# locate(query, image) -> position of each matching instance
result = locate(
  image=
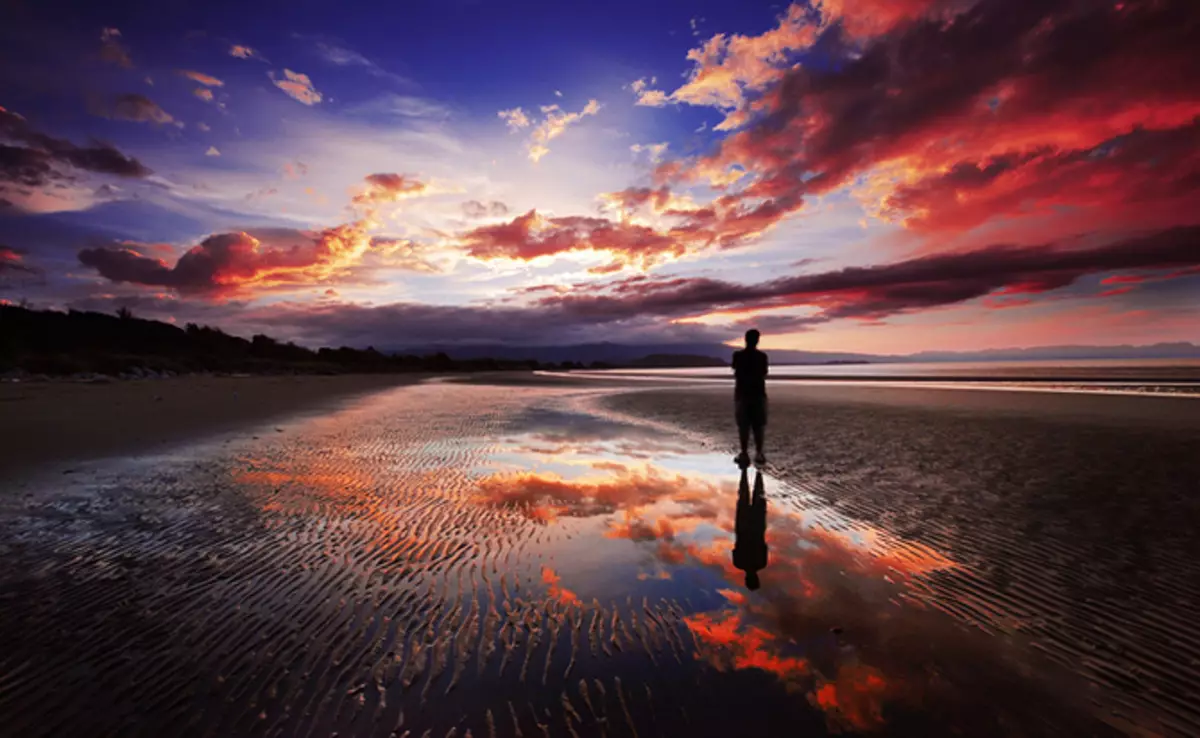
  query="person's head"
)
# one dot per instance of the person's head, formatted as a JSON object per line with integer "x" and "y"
{"x": 751, "y": 580}
{"x": 752, "y": 337}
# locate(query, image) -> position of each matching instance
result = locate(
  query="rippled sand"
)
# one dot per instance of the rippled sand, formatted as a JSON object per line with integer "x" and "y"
{"x": 449, "y": 559}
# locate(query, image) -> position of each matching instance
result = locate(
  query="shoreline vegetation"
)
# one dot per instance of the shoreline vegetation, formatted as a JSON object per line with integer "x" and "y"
{"x": 91, "y": 346}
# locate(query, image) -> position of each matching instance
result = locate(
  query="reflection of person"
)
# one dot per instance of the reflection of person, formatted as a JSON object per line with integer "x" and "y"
{"x": 750, "y": 397}
{"x": 750, "y": 530}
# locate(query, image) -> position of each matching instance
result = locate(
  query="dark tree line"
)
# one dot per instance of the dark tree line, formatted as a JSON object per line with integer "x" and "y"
{"x": 56, "y": 343}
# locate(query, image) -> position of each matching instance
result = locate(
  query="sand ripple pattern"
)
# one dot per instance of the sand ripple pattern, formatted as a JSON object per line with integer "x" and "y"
{"x": 1075, "y": 518}
{"x": 340, "y": 576}
{"x": 330, "y": 577}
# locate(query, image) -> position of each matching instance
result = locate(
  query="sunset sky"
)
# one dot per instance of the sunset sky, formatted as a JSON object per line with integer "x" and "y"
{"x": 853, "y": 175}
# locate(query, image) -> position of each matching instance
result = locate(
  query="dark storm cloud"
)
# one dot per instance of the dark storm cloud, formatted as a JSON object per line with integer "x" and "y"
{"x": 879, "y": 291}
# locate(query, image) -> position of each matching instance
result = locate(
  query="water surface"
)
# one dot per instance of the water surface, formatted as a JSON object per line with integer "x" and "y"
{"x": 448, "y": 559}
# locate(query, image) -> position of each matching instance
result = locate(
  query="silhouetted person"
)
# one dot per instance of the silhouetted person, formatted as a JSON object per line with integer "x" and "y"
{"x": 750, "y": 530}
{"x": 750, "y": 397}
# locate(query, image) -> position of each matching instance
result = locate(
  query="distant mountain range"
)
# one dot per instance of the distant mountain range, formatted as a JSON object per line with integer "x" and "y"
{"x": 630, "y": 354}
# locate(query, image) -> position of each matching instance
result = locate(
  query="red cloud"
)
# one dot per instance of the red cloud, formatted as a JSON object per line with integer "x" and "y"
{"x": 729, "y": 221}
{"x": 532, "y": 235}
{"x": 1123, "y": 279}
{"x": 854, "y": 699}
{"x": 12, "y": 260}
{"x": 1150, "y": 175}
{"x": 1009, "y": 101}
{"x": 862, "y": 19}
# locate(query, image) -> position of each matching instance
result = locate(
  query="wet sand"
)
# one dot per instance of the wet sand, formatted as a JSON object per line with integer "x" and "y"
{"x": 1074, "y": 516}
{"x": 42, "y": 423}
{"x": 452, "y": 559}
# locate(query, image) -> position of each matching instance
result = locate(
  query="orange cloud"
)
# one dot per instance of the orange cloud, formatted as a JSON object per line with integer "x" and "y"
{"x": 554, "y": 123}
{"x": 244, "y": 52}
{"x": 383, "y": 188}
{"x": 514, "y": 118}
{"x": 555, "y": 590}
{"x": 646, "y": 95}
{"x": 228, "y": 263}
{"x": 585, "y": 497}
{"x": 205, "y": 79}
{"x": 728, "y": 68}
{"x": 729, "y": 71}
{"x": 203, "y": 93}
{"x": 636, "y": 529}
{"x": 726, "y": 643}
{"x": 297, "y": 86}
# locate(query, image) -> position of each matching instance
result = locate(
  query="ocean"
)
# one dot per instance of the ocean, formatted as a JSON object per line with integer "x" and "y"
{"x": 1106, "y": 371}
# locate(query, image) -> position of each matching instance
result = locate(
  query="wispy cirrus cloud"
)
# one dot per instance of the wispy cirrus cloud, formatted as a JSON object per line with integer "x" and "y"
{"x": 343, "y": 56}
{"x": 401, "y": 106}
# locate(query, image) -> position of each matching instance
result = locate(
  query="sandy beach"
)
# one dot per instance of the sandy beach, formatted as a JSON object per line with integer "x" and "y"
{"x": 59, "y": 421}
{"x": 521, "y": 556}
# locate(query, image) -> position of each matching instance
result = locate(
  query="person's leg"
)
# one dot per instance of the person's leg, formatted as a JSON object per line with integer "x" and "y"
{"x": 743, "y": 424}
{"x": 760, "y": 427}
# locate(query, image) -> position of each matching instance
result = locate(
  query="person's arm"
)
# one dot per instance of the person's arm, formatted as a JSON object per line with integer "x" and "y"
{"x": 733, "y": 362}
{"x": 766, "y": 368}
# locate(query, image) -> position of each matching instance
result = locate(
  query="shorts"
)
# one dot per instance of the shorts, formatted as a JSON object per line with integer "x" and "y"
{"x": 751, "y": 413}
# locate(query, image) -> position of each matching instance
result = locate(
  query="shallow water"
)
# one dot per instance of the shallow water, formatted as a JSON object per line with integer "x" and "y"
{"x": 450, "y": 559}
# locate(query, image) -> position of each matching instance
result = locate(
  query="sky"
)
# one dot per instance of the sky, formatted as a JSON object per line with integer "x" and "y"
{"x": 884, "y": 176}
